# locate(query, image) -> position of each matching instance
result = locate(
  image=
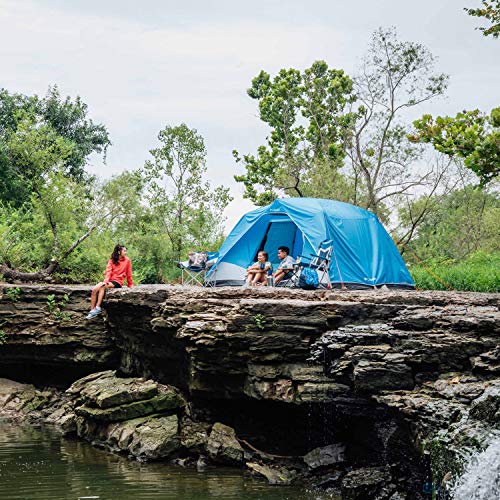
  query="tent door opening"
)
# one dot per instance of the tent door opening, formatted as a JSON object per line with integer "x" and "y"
{"x": 281, "y": 233}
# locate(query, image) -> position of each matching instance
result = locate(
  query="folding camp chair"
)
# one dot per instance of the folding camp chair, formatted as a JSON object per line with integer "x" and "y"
{"x": 194, "y": 269}
{"x": 319, "y": 262}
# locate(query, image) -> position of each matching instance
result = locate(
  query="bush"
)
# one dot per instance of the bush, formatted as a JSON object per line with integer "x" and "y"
{"x": 478, "y": 273}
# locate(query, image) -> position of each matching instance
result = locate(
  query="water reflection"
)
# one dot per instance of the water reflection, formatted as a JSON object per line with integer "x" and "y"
{"x": 36, "y": 463}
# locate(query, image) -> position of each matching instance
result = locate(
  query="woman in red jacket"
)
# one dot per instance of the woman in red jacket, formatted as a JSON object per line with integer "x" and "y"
{"x": 119, "y": 267}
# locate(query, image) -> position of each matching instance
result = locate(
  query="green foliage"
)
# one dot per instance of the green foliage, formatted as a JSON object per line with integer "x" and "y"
{"x": 307, "y": 114}
{"x": 37, "y": 134}
{"x": 260, "y": 321}
{"x": 470, "y": 135}
{"x": 51, "y": 303}
{"x": 13, "y": 294}
{"x": 460, "y": 223}
{"x": 479, "y": 273}
{"x": 182, "y": 205}
{"x": 3, "y": 337}
{"x": 56, "y": 307}
{"x": 491, "y": 12}
{"x": 65, "y": 213}
{"x": 35, "y": 233}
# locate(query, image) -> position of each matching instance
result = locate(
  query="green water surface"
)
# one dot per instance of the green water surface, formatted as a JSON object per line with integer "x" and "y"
{"x": 37, "y": 463}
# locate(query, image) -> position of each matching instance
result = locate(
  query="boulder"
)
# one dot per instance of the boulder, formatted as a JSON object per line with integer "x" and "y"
{"x": 275, "y": 475}
{"x": 223, "y": 446}
{"x": 146, "y": 438}
{"x": 367, "y": 482}
{"x": 113, "y": 391}
{"x": 166, "y": 399}
{"x": 155, "y": 438}
{"x": 325, "y": 456}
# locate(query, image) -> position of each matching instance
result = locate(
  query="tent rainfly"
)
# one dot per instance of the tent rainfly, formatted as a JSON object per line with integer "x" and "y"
{"x": 364, "y": 255}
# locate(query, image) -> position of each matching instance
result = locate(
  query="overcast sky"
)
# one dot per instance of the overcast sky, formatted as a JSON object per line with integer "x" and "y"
{"x": 141, "y": 65}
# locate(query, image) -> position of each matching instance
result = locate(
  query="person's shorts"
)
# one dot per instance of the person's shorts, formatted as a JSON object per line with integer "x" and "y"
{"x": 288, "y": 274}
{"x": 116, "y": 284}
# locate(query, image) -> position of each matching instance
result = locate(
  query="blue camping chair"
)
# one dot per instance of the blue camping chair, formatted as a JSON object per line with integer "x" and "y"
{"x": 193, "y": 270}
{"x": 320, "y": 262}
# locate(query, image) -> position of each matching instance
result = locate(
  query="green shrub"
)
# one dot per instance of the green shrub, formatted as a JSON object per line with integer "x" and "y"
{"x": 13, "y": 294}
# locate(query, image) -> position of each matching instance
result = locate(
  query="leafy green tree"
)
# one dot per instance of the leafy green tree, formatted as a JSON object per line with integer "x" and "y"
{"x": 460, "y": 223}
{"x": 188, "y": 208}
{"x": 396, "y": 77}
{"x": 470, "y": 135}
{"x": 490, "y": 11}
{"x": 64, "y": 118}
{"x": 46, "y": 235}
{"x": 307, "y": 115}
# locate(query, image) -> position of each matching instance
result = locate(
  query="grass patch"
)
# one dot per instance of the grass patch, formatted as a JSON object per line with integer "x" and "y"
{"x": 478, "y": 273}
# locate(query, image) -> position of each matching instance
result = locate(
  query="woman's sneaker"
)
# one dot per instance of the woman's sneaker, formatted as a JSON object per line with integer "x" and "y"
{"x": 95, "y": 312}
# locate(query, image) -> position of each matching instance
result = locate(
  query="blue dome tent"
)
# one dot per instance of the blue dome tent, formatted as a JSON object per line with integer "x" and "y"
{"x": 364, "y": 255}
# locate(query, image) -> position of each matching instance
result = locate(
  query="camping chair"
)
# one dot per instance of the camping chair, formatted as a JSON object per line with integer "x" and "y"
{"x": 319, "y": 262}
{"x": 194, "y": 269}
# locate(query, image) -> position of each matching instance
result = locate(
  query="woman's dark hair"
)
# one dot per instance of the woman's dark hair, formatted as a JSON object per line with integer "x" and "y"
{"x": 115, "y": 256}
{"x": 264, "y": 253}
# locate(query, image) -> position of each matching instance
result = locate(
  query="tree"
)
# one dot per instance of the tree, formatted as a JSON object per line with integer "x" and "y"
{"x": 64, "y": 117}
{"x": 395, "y": 77}
{"x": 460, "y": 223}
{"x": 307, "y": 115}
{"x": 189, "y": 209}
{"x": 491, "y": 12}
{"x": 41, "y": 235}
{"x": 470, "y": 135}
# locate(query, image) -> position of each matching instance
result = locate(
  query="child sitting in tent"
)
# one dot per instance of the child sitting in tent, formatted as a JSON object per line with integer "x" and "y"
{"x": 257, "y": 272}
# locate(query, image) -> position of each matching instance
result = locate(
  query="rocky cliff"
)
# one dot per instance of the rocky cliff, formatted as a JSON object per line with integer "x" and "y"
{"x": 358, "y": 382}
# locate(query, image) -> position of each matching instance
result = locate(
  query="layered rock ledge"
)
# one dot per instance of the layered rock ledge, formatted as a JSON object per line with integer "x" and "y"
{"x": 356, "y": 381}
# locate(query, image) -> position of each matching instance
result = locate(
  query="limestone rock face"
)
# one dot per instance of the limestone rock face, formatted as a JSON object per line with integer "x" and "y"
{"x": 387, "y": 373}
{"x": 53, "y": 348}
{"x": 487, "y": 406}
{"x": 223, "y": 446}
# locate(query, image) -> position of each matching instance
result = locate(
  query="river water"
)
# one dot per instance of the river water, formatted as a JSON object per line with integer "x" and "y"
{"x": 37, "y": 463}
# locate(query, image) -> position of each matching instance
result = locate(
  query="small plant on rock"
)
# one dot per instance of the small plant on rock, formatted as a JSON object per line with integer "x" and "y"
{"x": 260, "y": 321}
{"x": 56, "y": 308}
{"x": 13, "y": 294}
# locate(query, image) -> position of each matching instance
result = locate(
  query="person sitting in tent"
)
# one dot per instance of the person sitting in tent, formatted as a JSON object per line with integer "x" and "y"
{"x": 285, "y": 269}
{"x": 257, "y": 272}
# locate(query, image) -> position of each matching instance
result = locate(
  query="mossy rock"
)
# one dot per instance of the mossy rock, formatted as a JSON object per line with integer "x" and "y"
{"x": 109, "y": 391}
{"x": 168, "y": 399}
